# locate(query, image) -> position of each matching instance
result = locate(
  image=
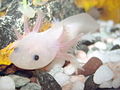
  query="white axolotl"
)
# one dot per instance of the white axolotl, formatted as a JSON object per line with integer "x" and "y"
{"x": 35, "y": 50}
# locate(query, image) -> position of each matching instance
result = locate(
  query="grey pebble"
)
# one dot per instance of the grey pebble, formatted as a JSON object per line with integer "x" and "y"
{"x": 19, "y": 81}
{"x": 87, "y": 42}
{"x": 115, "y": 47}
{"x": 83, "y": 47}
{"x": 47, "y": 82}
{"x": 31, "y": 86}
{"x": 89, "y": 84}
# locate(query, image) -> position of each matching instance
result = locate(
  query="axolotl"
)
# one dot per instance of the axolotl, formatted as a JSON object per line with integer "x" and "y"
{"x": 34, "y": 50}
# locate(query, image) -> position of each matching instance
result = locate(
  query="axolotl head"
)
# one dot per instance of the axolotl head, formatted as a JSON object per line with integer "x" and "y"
{"x": 31, "y": 50}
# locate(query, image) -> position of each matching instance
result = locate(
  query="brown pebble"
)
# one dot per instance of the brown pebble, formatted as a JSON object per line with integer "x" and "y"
{"x": 11, "y": 69}
{"x": 91, "y": 66}
{"x": 66, "y": 63}
{"x": 2, "y": 67}
{"x": 33, "y": 79}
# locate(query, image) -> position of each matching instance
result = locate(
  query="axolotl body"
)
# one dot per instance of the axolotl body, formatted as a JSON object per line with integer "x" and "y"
{"x": 35, "y": 50}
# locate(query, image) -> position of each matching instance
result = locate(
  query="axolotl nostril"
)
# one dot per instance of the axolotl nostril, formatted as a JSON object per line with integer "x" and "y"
{"x": 36, "y": 49}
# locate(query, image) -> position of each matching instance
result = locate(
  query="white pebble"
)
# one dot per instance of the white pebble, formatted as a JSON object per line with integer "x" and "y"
{"x": 78, "y": 86}
{"x": 69, "y": 70}
{"x": 100, "y": 45}
{"x": 7, "y": 83}
{"x": 106, "y": 56}
{"x": 55, "y": 70}
{"x": 110, "y": 40}
{"x": 62, "y": 78}
{"x": 107, "y": 84}
{"x": 116, "y": 41}
{"x": 28, "y": 11}
{"x": 88, "y": 36}
{"x": 102, "y": 74}
{"x": 81, "y": 56}
{"x": 116, "y": 83}
{"x": 80, "y": 78}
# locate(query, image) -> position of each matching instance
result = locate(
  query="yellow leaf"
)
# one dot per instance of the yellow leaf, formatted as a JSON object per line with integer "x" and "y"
{"x": 110, "y": 8}
{"x": 86, "y": 4}
{"x": 4, "y": 55}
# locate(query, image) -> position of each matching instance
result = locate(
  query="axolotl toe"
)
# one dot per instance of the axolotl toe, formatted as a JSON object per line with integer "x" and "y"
{"x": 35, "y": 49}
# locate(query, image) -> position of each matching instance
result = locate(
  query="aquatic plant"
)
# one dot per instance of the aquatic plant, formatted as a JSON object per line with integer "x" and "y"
{"x": 4, "y": 55}
{"x": 109, "y": 9}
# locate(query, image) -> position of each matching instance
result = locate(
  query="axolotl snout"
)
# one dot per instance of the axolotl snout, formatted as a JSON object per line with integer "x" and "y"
{"x": 36, "y": 49}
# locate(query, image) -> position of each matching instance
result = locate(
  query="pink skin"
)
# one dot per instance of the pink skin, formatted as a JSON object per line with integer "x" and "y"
{"x": 48, "y": 46}
{"x": 35, "y": 50}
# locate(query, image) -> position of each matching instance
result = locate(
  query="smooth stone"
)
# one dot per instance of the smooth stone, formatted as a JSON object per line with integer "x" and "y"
{"x": 88, "y": 39}
{"x": 47, "y": 81}
{"x": 27, "y": 11}
{"x": 103, "y": 74}
{"x": 33, "y": 79}
{"x": 7, "y": 83}
{"x": 12, "y": 69}
{"x": 116, "y": 83}
{"x": 31, "y": 86}
{"x": 78, "y": 86}
{"x": 82, "y": 47}
{"x": 19, "y": 81}
{"x": 109, "y": 40}
{"x": 114, "y": 29}
{"x": 76, "y": 83}
{"x": 92, "y": 48}
{"x": 67, "y": 86}
{"x": 69, "y": 70}
{"x": 89, "y": 84}
{"x": 66, "y": 63}
{"x": 81, "y": 56}
{"x": 55, "y": 70}
{"x": 108, "y": 89}
{"x": 100, "y": 45}
{"x": 86, "y": 42}
{"x": 2, "y": 68}
{"x": 24, "y": 73}
{"x": 116, "y": 41}
{"x": 106, "y": 56}
{"x": 115, "y": 47}
{"x": 80, "y": 78}
{"x": 107, "y": 84}
{"x": 91, "y": 66}
{"x": 61, "y": 78}
{"x": 106, "y": 26}
{"x": 115, "y": 67}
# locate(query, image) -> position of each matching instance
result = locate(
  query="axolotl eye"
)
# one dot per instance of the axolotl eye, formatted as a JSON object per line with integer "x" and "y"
{"x": 36, "y": 57}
